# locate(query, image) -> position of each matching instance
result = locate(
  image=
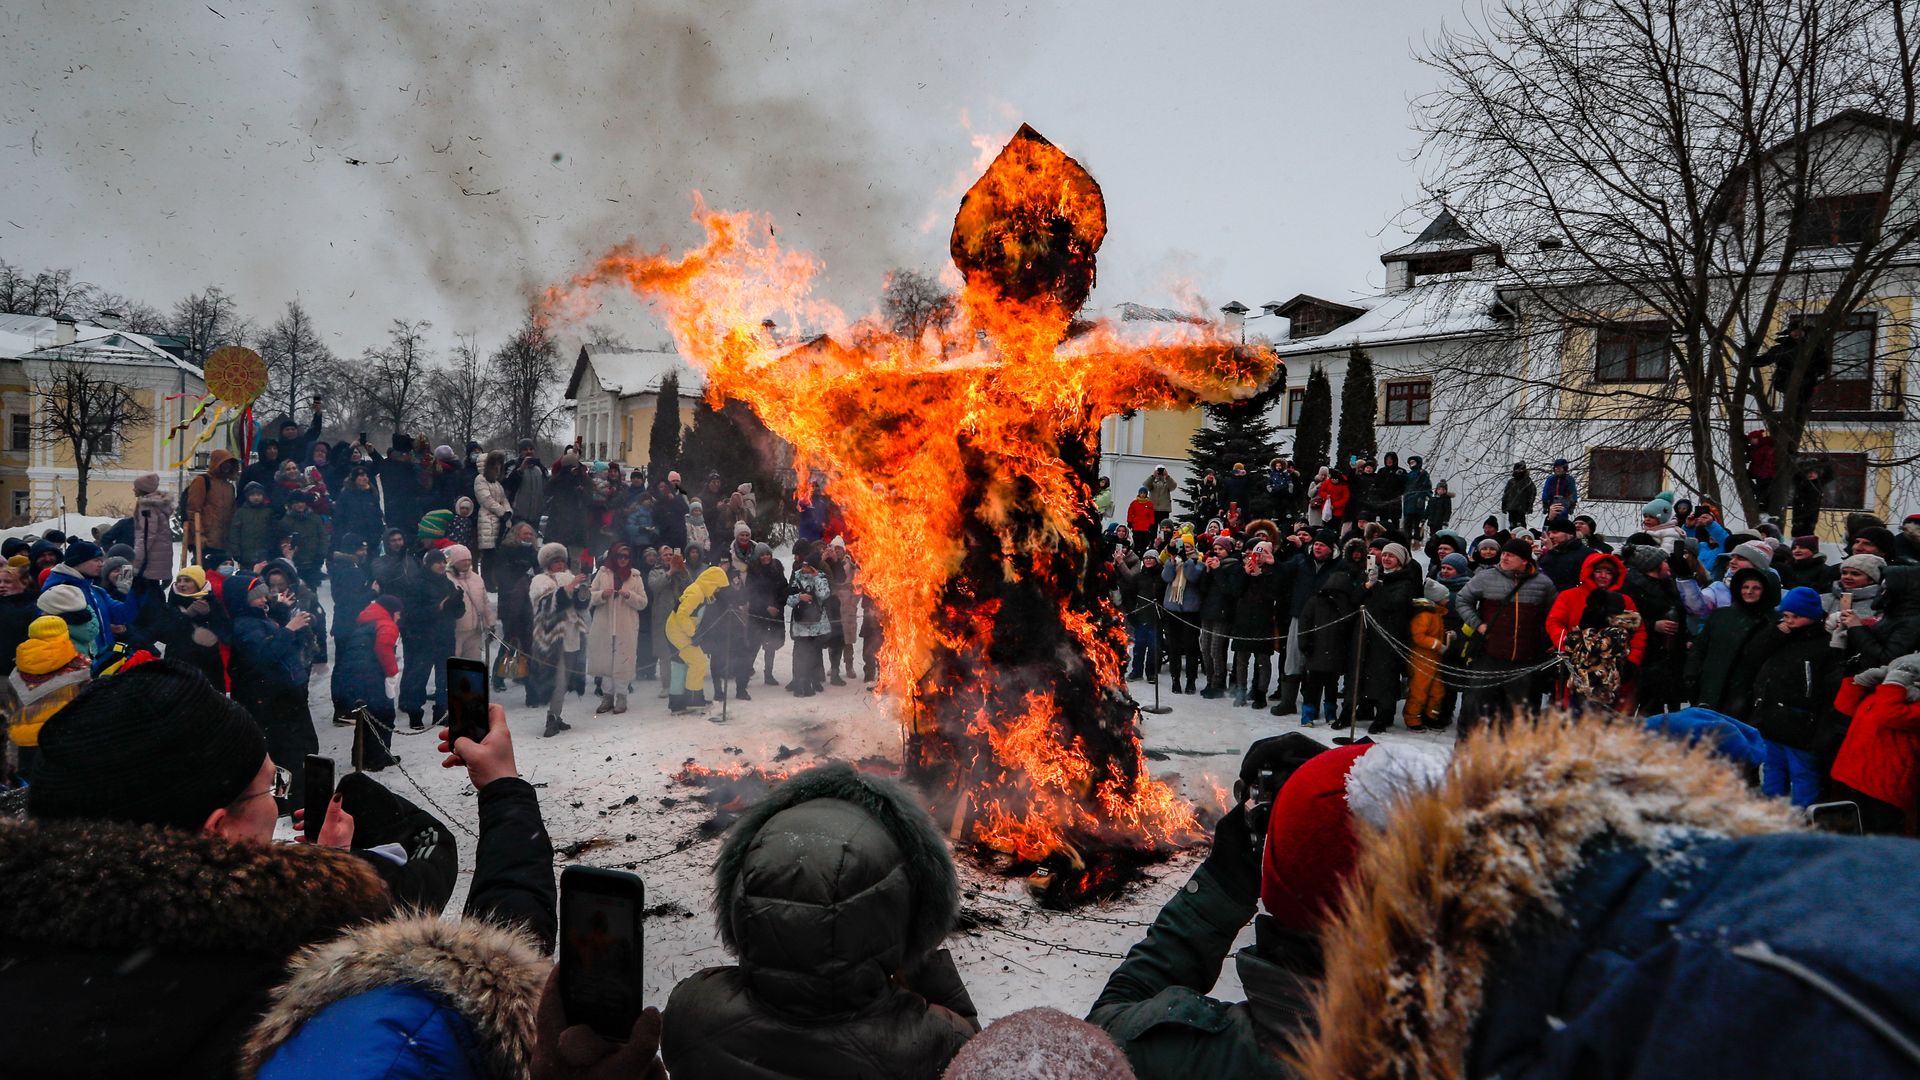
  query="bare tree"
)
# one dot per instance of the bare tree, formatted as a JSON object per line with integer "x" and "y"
{"x": 394, "y": 377}
{"x": 209, "y": 319}
{"x": 87, "y": 413}
{"x": 914, "y": 303}
{"x": 462, "y": 397}
{"x": 1681, "y": 180}
{"x": 46, "y": 292}
{"x": 299, "y": 364}
{"x": 526, "y": 373}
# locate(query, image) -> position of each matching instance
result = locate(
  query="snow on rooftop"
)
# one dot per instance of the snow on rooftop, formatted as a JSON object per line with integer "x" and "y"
{"x": 1440, "y": 309}
{"x": 35, "y": 337}
{"x": 639, "y": 371}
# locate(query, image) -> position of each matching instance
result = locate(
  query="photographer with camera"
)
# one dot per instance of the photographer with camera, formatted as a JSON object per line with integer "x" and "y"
{"x": 1289, "y": 845}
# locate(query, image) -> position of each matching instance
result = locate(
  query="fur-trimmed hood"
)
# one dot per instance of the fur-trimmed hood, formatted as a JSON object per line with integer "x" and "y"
{"x": 1460, "y": 870}
{"x": 104, "y": 885}
{"x": 833, "y": 884}
{"x": 490, "y": 975}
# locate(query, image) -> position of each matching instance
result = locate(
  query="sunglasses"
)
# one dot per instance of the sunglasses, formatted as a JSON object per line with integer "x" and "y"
{"x": 282, "y": 784}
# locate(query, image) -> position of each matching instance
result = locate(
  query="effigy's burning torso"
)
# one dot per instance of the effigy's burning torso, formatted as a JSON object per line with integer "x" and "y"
{"x": 966, "y": 468}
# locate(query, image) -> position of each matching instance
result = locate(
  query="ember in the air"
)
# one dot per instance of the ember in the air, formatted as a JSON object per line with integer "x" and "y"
{"x": 966, "y": 473}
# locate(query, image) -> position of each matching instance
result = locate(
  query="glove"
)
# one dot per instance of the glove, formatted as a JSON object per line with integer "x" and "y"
{"x": 1870, "y": 678}
{"x": 1233, "y": 862}
{"x": 1905, "y": 671}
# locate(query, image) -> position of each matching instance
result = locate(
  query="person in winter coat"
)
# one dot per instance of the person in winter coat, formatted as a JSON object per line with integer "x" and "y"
{"x": 1505, "y": 608}
{"x": 263, "y": 470}
{"x": 1326, "y": 630}
{"x": 17, "y": 610}
{"x": 210, "y": 505}
{"x": 559, "y": 598}
{"x": 490, "y": 495}
{"x": 1389, "y": 605}
{"x": 687, "y": 687}
{"x": 352, "y": 592}
{"x": 463, "y": 530}
{"x": 81, "y": 568}
{"x": 526, "y": 484}
{"x": 48, "y": 673}
{"x": 1387, "y": 491}
{"x": 1599, "y": 571}
{"x": 156, "y": 840}
{"x": 567, "y": 504}
{"x": 1440, "y": 507}
{"x": 152, "y": 529}
{"x": 618, "y": 596}
{"x": 1334, "y": 497}
{"x": 1433, "y": 636}
{"x": 1219, "y": 593}
{"x": 1663, "y": 686}
{"x": 1809, "y": 494}
{"x": 666, "y": 580}
{"x": 1257, "y": 587}
{"x": 1140, "y": 589}
{"x": 251, "y": 536}
{"x": 1417, "y": 499}
{"x": 476, "y": 620}
{"x": 394, "y": 569}
{"x": 1560, "y": 495}
{"x": 357, "y": 510}
{"x": 807, "y": 596}
{"x": 432, "y": 607}
{"x": 1879, "y": 759}
{"x": 1565, "y": 554}
{"x": 514, "y": 564}
{"x": 843, "y": 609}
{"x": 1796, "y": 676}
{"x": 766, "y": 606}
{"x": 835, "y": 894}
{"x": 1806, "y": 565}
{"x": 1141, "y": 519}
{"x": 193, "y": 627}
{"x": 1181, "y": 570}
{"x": 1715, "y": 669}
{"x": 312, "y": 538}
{"x": 1160, "y": 488}
{"x": 367, "y": 660}
{"x": 1516, "y": 498}
{"x": 268, "y": 668}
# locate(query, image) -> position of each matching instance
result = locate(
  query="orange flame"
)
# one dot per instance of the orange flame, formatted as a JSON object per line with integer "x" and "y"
{"x": 903, "y": 431}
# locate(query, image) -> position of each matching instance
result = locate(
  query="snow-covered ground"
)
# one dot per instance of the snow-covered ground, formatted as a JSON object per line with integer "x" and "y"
{"x": 606, "y": 780}
{"x": 71, "y": 524}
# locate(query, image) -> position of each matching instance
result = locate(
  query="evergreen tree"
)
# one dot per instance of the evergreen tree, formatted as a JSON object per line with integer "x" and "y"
{"x": 1358, "y": 404}
{"x": 663, "y": 440}
{"x": 1231, "y": 432}
{"x": 733, "y": 442}
{"x": 1314, "y": 435}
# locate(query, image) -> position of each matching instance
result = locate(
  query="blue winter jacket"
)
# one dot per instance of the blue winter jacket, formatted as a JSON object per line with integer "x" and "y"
{"x": 106, "y": 610}
{"x": 1779, "y": 955}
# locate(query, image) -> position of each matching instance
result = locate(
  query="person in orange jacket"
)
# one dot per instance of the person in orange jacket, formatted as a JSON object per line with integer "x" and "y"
{"x": 1427, "y": 634}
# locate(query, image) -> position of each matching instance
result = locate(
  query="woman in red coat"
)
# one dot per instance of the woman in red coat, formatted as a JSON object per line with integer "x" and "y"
{"x": 1140, "y": 519}
{"x": 1880, "y": 758}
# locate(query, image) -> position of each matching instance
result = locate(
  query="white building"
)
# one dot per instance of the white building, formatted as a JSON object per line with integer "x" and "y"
{"x": 615, "y": 393}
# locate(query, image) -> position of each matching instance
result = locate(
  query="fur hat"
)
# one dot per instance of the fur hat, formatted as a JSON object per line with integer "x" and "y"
{"x": 1756, "y": 552}
{"x": 1312, "y": 842}
{"x": 103, "y": 758}
{"x": 1873, "y": 566}
{"x": 1880, "y": 537}
{"x": 550, "y": 554}
{"x": 1040, "y": 1044}
{"x": 1803, "y": 602}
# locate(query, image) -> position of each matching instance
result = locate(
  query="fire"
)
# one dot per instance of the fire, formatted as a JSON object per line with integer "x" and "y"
{"x": 966, "y": 475}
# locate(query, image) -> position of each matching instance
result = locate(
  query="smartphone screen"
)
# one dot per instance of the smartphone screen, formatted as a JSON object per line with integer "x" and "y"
{"x": 601, "y": 949}
{"x": 1836, "y": 817}
{"x": 466, "y": 699}
{"x": 318, "y": 794}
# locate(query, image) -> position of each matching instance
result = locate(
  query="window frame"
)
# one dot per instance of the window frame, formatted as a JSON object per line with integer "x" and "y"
{"x": 1636, "y": 334}
{"x": 1820, "y": 226}
{"x": 1296, "y": 403}
{"x": 1854, "y": 459}
{"x": 20, "y": 433}
{"x": 1440, "y": 264}
{"x": 21, "y": 505}
{"x": 1425, "y": 400}
{"x": 1825, "y": 392}
{"x": 1599, "y": 491}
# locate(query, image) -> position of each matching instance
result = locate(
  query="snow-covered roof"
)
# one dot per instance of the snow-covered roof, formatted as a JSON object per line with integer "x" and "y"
{"x": 33, "y": 337}
{"x": 1441, "y": 309}
{"x": 627, "y": 372}
{"x": 1131, "y": 312}
{"x": 1443, "y": 235}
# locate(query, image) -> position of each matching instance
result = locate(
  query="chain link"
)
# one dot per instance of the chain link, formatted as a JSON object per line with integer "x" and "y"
{"x": 367, "y": 717}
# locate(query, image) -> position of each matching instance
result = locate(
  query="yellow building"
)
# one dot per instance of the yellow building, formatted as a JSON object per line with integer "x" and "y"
{"x": 615, "y": 393}
{"x": 38, "y": 479}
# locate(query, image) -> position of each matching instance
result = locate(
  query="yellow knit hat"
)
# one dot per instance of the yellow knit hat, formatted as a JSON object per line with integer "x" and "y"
{"x": 195, "y": 575}
{"x": 47, "y": 648}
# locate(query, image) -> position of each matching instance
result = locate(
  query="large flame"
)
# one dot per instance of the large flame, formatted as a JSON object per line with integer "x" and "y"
{"x": 965, "y": 471}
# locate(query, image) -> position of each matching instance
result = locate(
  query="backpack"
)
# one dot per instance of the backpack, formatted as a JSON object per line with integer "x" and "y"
{"x": 180, "y": 511}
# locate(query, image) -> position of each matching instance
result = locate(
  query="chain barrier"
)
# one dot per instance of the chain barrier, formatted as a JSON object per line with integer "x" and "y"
{"x": 366, "y": 717}
{"x": 1050, "y": 913}
{"x": 1099, "y": 954}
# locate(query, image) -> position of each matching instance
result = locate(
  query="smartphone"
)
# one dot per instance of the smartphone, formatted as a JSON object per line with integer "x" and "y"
{"x": 319, "y": 794}
{"x": 601, "y": 948}
{"x": 466, "y": 699}
{"x": 1836, "y": 817}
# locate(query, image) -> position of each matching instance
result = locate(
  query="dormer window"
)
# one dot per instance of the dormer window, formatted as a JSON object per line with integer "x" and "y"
{"x": 1428, "y": 266}
{"x": 1838, "y": 220}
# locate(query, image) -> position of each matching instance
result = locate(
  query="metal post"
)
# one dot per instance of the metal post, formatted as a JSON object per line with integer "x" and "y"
{"x": 1353, "y": 679}
{"x": 1156, "y": 709}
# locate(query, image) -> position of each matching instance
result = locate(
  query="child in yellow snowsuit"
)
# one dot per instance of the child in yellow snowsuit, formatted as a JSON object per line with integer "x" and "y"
{"x": 1428, "y": 635}
{"x": 682, "y": 625}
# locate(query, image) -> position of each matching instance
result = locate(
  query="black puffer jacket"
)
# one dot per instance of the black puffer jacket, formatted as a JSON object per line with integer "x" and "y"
{"x": 834, "y": 893}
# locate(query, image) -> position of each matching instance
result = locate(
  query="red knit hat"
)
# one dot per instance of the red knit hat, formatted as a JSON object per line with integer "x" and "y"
{"x": 1312, "y": 840}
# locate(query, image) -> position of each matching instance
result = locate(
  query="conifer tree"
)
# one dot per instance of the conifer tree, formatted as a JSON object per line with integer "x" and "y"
{"x": 1230, "y": 433}
{"x": 1358, "y": 404}
{"x": 1313, "y": 437}
{"x": 663, "y": 439}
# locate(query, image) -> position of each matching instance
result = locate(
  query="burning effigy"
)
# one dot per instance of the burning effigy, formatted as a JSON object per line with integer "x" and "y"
{"x": 966, "y": 468}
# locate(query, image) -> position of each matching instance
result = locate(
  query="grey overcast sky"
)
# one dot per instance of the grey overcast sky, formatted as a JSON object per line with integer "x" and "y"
{"x": 1248, "y": 151}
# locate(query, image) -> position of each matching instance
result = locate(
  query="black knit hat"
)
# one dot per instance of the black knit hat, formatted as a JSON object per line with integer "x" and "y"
{"x": 152, "y": 745}
{"x": 13, "y": 545}
{"x": 83, "y": 551}
{"x": 1520, "y": 548}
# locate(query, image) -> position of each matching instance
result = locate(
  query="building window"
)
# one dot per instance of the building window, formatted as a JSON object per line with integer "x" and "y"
{"x": 1848, "y": 386}
{"x": 22, "y": 505}
{"x": 20, "y": 435}
{"x": 1625, "y": 475}
{"x": 1436, "y": 265}
{"x": 1632, "y": 352}
{"x": 1408, "y": 401}
{"x": 1847, "y": 489}
{"x": 1296, "y": 401}
{"x": 107, "y": 444}
{"x": 1838, "y": 220}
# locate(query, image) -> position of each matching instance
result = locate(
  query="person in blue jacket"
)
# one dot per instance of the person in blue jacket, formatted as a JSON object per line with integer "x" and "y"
{"x": 1559, "y": 492}
{"x": 80, "y": 567}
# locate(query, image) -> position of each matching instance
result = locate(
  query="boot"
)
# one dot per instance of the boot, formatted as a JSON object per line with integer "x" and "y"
{"x": 1258, "y": 700}
{"x": 555, "y": 726}
{"x": 698, "y": 700}
{"x": 1192, "y": 678}
{"x": 1340, "y": 722}
{"x": 740, "y": 692}
{"x": 1289, "y": 696}
{"x": 416, "y": 719}
{"x": 768, "y": 679}
{"x": 619, "y": 704}
{"x": 606, "y": 704}
{"x": 676, "y": 703}
{"x": 1239, "y": 697}
{"x": 1380, "y": 725}
{"x": 1307, "y": 715}
{"x": 836, "y": 680}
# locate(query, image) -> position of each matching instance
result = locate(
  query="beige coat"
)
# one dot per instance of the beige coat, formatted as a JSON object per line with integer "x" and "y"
{"x": 491, "y": 508}
{"x": 614, "y": 638}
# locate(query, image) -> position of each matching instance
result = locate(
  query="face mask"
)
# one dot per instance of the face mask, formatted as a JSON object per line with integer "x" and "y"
{"x": 228, "y": 569}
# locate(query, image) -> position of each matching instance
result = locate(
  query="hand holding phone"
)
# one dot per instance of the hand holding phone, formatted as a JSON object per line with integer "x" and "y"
{"x": 602, "y": 947}
{"x": 467, "y": 704}
{"x": 489, "y": 759}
